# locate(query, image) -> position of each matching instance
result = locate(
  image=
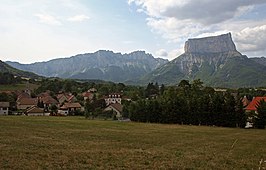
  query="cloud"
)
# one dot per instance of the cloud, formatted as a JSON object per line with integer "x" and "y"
{"x": 48, "y": 19}
{"x": 176, "y": 21}
{"x": 251, "y": 39}
{"x": 204, "y": 11}
{"x": 78, "y": 18}
{"x": 161, "y": 53}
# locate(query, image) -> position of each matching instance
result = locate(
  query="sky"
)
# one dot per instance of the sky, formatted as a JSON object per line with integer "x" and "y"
{"x": 41, "y": 30}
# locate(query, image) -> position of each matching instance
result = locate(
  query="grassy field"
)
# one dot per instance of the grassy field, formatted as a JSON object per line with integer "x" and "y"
{"x": 18, "y": 87}
{"x": 77, "y": 143}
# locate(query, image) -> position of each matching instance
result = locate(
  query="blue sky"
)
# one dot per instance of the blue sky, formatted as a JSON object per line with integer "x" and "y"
{"x": 32, "y": 31}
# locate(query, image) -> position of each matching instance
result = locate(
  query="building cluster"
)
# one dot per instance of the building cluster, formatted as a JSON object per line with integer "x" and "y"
{"x": 61, "y": 104}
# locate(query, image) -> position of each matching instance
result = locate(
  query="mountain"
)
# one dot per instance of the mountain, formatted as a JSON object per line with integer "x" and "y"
{"x": 260, "y": 60}
{"x": 215, "y": 61}
{"x": 103, "y": 65}
{"x": 5, "y": 68}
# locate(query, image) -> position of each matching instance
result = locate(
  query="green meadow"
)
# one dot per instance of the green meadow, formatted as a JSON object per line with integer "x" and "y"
{"x": 77, "y": 143}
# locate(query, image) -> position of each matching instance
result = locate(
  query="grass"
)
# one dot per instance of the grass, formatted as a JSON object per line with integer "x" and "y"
{"x": 77, "y": 143}
{"x": 14, "y": 87}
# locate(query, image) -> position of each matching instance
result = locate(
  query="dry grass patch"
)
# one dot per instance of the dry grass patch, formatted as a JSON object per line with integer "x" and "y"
{"x": 77, "y": 143}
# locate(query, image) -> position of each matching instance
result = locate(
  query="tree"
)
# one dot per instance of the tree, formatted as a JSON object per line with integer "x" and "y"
{"x": 162, "y": 89}
{"x": 241, "y": 117}
{"x": 260, "y": 119}
{"x": 53, "y": 109}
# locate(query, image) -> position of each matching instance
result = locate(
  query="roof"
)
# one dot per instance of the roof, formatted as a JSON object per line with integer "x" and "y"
{"x": 49, "y": 100}
{"x": 4, "y": 104}
{"x": 116, "y": 106}
{"x": 71, "y": 98}
{"x": 72, "y": 105}
{"x": 254, "y": 103}
{"x": 34, "y": 109}
{"x": 87, "y": 94}
{"x": 245, "y": 101}
{"x": 44, "y": 94}
{"x": 28, "y": 101}
{"x": 23, "y": 95}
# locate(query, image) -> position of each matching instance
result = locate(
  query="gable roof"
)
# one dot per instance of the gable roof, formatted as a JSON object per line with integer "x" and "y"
{"x": 49, "y": 100}
{"x": 254, "y": 103}
{"x": 22, "y": 96}
{"x": 116, "y": 106}
{"x": 72, "y": 97}
{"x": 28, "y": 101}
{"x": 4, "y": 104}
{"x": 34, "y": 109}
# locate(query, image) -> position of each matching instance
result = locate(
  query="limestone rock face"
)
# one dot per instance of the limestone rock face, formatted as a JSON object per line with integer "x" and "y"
{"x": 214, "y": 44}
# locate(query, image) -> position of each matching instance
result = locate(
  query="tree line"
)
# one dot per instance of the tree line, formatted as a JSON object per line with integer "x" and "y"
{"x": 189, "y": 104}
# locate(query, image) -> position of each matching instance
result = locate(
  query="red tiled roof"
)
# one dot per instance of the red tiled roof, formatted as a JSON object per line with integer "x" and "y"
{"x": 254, "y": 103}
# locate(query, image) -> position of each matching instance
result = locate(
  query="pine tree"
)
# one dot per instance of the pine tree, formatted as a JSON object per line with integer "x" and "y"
{"x": 260, "y": 120}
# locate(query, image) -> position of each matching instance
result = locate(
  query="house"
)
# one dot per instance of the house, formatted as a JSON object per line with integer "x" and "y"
{"x": 252, "y": 106}
{"x": 43, "y": 95}
{"x": 23, "y": 95}
{"x": 24, "y": 103}
{"x": 36, "y": 111}
{"x": 63, "y": 97}
{"x": 113, "y": 98}
{"x": 4, "y": 108}
{"x": 117, "y": 108}
{"x": 251, "y": 110}
{"x": 68, "y": 108}
{"x": 63, "y": 111}
{"x": 87, "y": 95}
{"x": 48, "y": 101}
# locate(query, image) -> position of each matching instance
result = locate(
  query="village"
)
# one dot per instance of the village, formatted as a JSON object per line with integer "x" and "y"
{"x": 61, "y": 104}
{"x": 91, "y": 104}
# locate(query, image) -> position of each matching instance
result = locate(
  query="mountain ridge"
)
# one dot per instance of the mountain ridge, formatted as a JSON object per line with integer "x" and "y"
{"x": 215, "y": 60}
{"x": 102, "y": 64}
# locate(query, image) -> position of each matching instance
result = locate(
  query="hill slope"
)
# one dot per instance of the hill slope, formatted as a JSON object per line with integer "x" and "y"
{"x": 104, "y": 65}
{"x": 215, "y": 61}
{"x": 5, "y": 68}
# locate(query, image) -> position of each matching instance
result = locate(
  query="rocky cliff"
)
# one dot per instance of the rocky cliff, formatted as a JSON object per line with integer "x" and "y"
{"x": 102, "y": 65}
{"x": 215, "y": 44}
{"x": 215, "y": 61}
